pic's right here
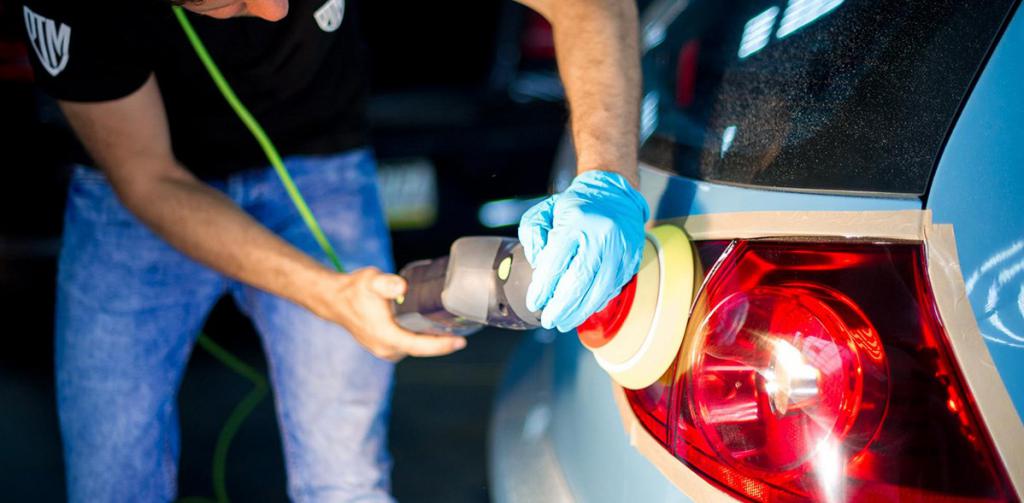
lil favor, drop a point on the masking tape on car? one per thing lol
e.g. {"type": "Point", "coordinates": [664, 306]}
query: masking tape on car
{"type": "Point", "coordinates": [980, 373]}
{"type": "Point", "coordinates": [898, 225]}
{"type": "Point", "coordinates": [687, 480]}
{"type": "Point", "coordinates": [983, 379]}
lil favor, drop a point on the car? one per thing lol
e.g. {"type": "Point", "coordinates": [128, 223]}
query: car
{"type": "Point", "coordinates": [850, 177]}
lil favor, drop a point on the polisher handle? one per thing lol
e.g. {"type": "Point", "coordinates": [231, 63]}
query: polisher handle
{"type": "Point", "coordinates": [483, 281]}
{"type": "Point", "coordinates": [420, 309]}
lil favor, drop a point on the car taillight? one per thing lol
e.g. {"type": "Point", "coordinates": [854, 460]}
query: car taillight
{"type": "Point", "coordinates": [600, 328]}
{"type": "Point", "coordinates": [820, 371]}
{"type": "Point", "coordinates": [538, 40]}
{"type": "Point", "coordinates": [779, 372]}
{"type": "Point", "coordinates": [686, 73]}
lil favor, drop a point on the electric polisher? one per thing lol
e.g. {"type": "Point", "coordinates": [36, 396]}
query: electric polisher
{"type": "Point", "coordinates": [483, 282]}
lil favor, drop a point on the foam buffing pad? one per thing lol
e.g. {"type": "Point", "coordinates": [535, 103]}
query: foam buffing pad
{"type": "Point", "coordinates": [636, 336]}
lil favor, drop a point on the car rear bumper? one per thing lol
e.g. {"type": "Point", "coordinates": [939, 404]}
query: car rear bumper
{"type": "Point", "coordinates": [523, 466]}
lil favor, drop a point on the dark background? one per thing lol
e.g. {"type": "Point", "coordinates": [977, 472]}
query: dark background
{"type": "Point", "coordinates": [448, 86]}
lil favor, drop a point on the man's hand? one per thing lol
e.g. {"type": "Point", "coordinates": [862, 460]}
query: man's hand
{"type": "Point", "coordinates": [584, 245]}
{"type": "Point", "coordinates": [361, 302]}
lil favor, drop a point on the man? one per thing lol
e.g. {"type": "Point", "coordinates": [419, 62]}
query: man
{"type": "Point", "coordinates": [183, 210]}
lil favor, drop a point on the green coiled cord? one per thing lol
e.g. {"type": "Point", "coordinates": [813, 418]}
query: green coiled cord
{"type": "Point", "coordinates": [259, 391]}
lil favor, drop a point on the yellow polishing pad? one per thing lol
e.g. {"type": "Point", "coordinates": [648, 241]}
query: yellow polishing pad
{"type": "Point", "coordinates": [649, 338]}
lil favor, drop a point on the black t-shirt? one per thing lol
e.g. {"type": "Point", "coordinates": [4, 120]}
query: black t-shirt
{"type": "Point", "coordinates": [303, 78]}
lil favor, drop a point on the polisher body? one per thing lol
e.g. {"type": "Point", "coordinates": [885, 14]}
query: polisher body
{"type": "Point", "coordinates": [483, 282]}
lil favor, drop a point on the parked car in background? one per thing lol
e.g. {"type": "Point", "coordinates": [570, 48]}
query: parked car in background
{"type": "Point", "coordinates": [892, 387]}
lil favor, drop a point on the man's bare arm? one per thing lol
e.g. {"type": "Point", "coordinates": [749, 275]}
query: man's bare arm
{"type": "Point", "coordinates": [129, 139]}
{"type": "Point", "coordinates": [598, 58]}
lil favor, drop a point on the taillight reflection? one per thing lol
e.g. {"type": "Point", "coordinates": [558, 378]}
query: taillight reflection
{"type": "Point", "coordinates": [776, 373]}
{"type": "Point", "coordinates": [820, 371]}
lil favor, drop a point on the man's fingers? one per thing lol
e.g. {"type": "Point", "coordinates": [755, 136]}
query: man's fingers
{"type": "Point", "coordinates": [389, 286]}
{"type": "Point", "coordinates": [414, 344]}
{"type": "Point", "coordinates": [534, 227]}
{"type": "Point", "coordinates": [551, 264]}
{"type": "Point", "coordinates": [572, 289]}
{"type": "Point", "coordinates": [594, 300]}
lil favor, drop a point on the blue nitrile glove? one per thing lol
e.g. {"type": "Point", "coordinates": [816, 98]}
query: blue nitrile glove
{"type": "Point", "coordinates": [584, 244]}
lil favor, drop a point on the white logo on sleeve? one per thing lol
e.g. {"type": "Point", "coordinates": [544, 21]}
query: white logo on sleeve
{"type": "Point", "coordinates": [330, 14]}
{"type": "Point", "coordinates": [49, 41]}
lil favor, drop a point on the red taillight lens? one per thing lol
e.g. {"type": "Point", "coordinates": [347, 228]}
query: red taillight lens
{"type": "Point", "coordinates": [14, 65]}
{"type": "Point", "coordinates": [538, 40]}
{"type": "Point", "coordinates": [820, 371]}
{"type": "Point", "coordinates": [603, 325]}
{"type": "Point", "coordinates": [651, 405]}
{"type": "Point", "coordinates": [778, 373]}
{"type": "Point", "coordinates": [686, 73]}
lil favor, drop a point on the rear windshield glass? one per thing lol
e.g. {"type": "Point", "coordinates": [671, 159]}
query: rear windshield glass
{"type": "Point", "coordinates": [818, 95]}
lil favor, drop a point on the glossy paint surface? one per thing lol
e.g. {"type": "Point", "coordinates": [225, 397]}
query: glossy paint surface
{"type": "Point", "coordinates": [979, 188]}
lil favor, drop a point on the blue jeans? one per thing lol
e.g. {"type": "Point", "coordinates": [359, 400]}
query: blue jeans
{"type": "Point", "coordinates": [129, 308]}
